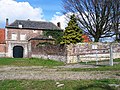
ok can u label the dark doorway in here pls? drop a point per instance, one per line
(18, 52)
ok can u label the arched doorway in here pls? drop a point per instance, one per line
(18, 52)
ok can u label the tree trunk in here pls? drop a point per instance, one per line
(96, 39)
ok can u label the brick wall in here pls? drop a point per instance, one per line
(2, 50)
(55, 52)
(29, 33)
(2, 36)
(90, 51)
(82, 52)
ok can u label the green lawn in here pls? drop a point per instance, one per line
(29, 62)
(51, 85)
(101, 68)
(115, 67)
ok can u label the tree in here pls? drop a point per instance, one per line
(95, 16)
(72, 34)
(56, 35)
(116, 20)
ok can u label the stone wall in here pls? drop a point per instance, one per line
(84, 52)
(51, 57)
(54, 52)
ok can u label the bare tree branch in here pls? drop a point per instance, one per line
(95, 16)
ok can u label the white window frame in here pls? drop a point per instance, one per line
(35, 31)
(50, 36)
(41, 32)
(13, 36)
(22, 37)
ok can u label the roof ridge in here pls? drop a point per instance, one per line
(2, 28)
(33, 21)
(34, 24)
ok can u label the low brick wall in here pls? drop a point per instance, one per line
(52, 57)
(82, 52)
(87, 58)
(54, 52)
(2, 50)
(91, 52)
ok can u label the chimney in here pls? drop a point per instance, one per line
(58, 24)
(7, 22)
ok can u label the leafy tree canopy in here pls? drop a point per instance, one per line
(57, 35)
(72, 34)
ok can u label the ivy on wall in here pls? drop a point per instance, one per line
(56, 35)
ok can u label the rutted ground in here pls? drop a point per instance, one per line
(42, 73)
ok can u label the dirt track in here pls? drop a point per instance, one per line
(41, 73)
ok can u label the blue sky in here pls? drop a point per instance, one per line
(49, 7)
(40, 10)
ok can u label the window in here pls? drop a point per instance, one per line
(34, 31)
(14, 36)
(23, 37)
(41, 32)
(49, 36)
(20, 26)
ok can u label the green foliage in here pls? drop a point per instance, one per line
(51, 84)
(57, 35)
(72, 34)
(29, 62)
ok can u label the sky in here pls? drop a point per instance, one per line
(37, 10)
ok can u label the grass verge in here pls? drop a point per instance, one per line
(51, 85)
(101, 68)
(29, 62)
(115, 67)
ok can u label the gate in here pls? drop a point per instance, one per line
(18, 52)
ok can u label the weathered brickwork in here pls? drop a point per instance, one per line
(90, 51)
(10, 44)
(2, 43)
(2, 36)
(55, 52)
(29, 33)
(82, 52)
(2, 50)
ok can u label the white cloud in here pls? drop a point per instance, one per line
(63, 19)
(58, 17)
(18, 10)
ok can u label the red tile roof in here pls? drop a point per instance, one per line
(86, 38)
(2, 35)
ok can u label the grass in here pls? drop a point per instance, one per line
(51, 85)
(29, 62)
(102, 61)
(51, 63)
(115, 67)
(101, 68)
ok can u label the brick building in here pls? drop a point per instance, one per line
(22, 33)
(86, 38)
(2, 43)
(18, 37)
(2, 35)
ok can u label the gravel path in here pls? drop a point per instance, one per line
(41, 73)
